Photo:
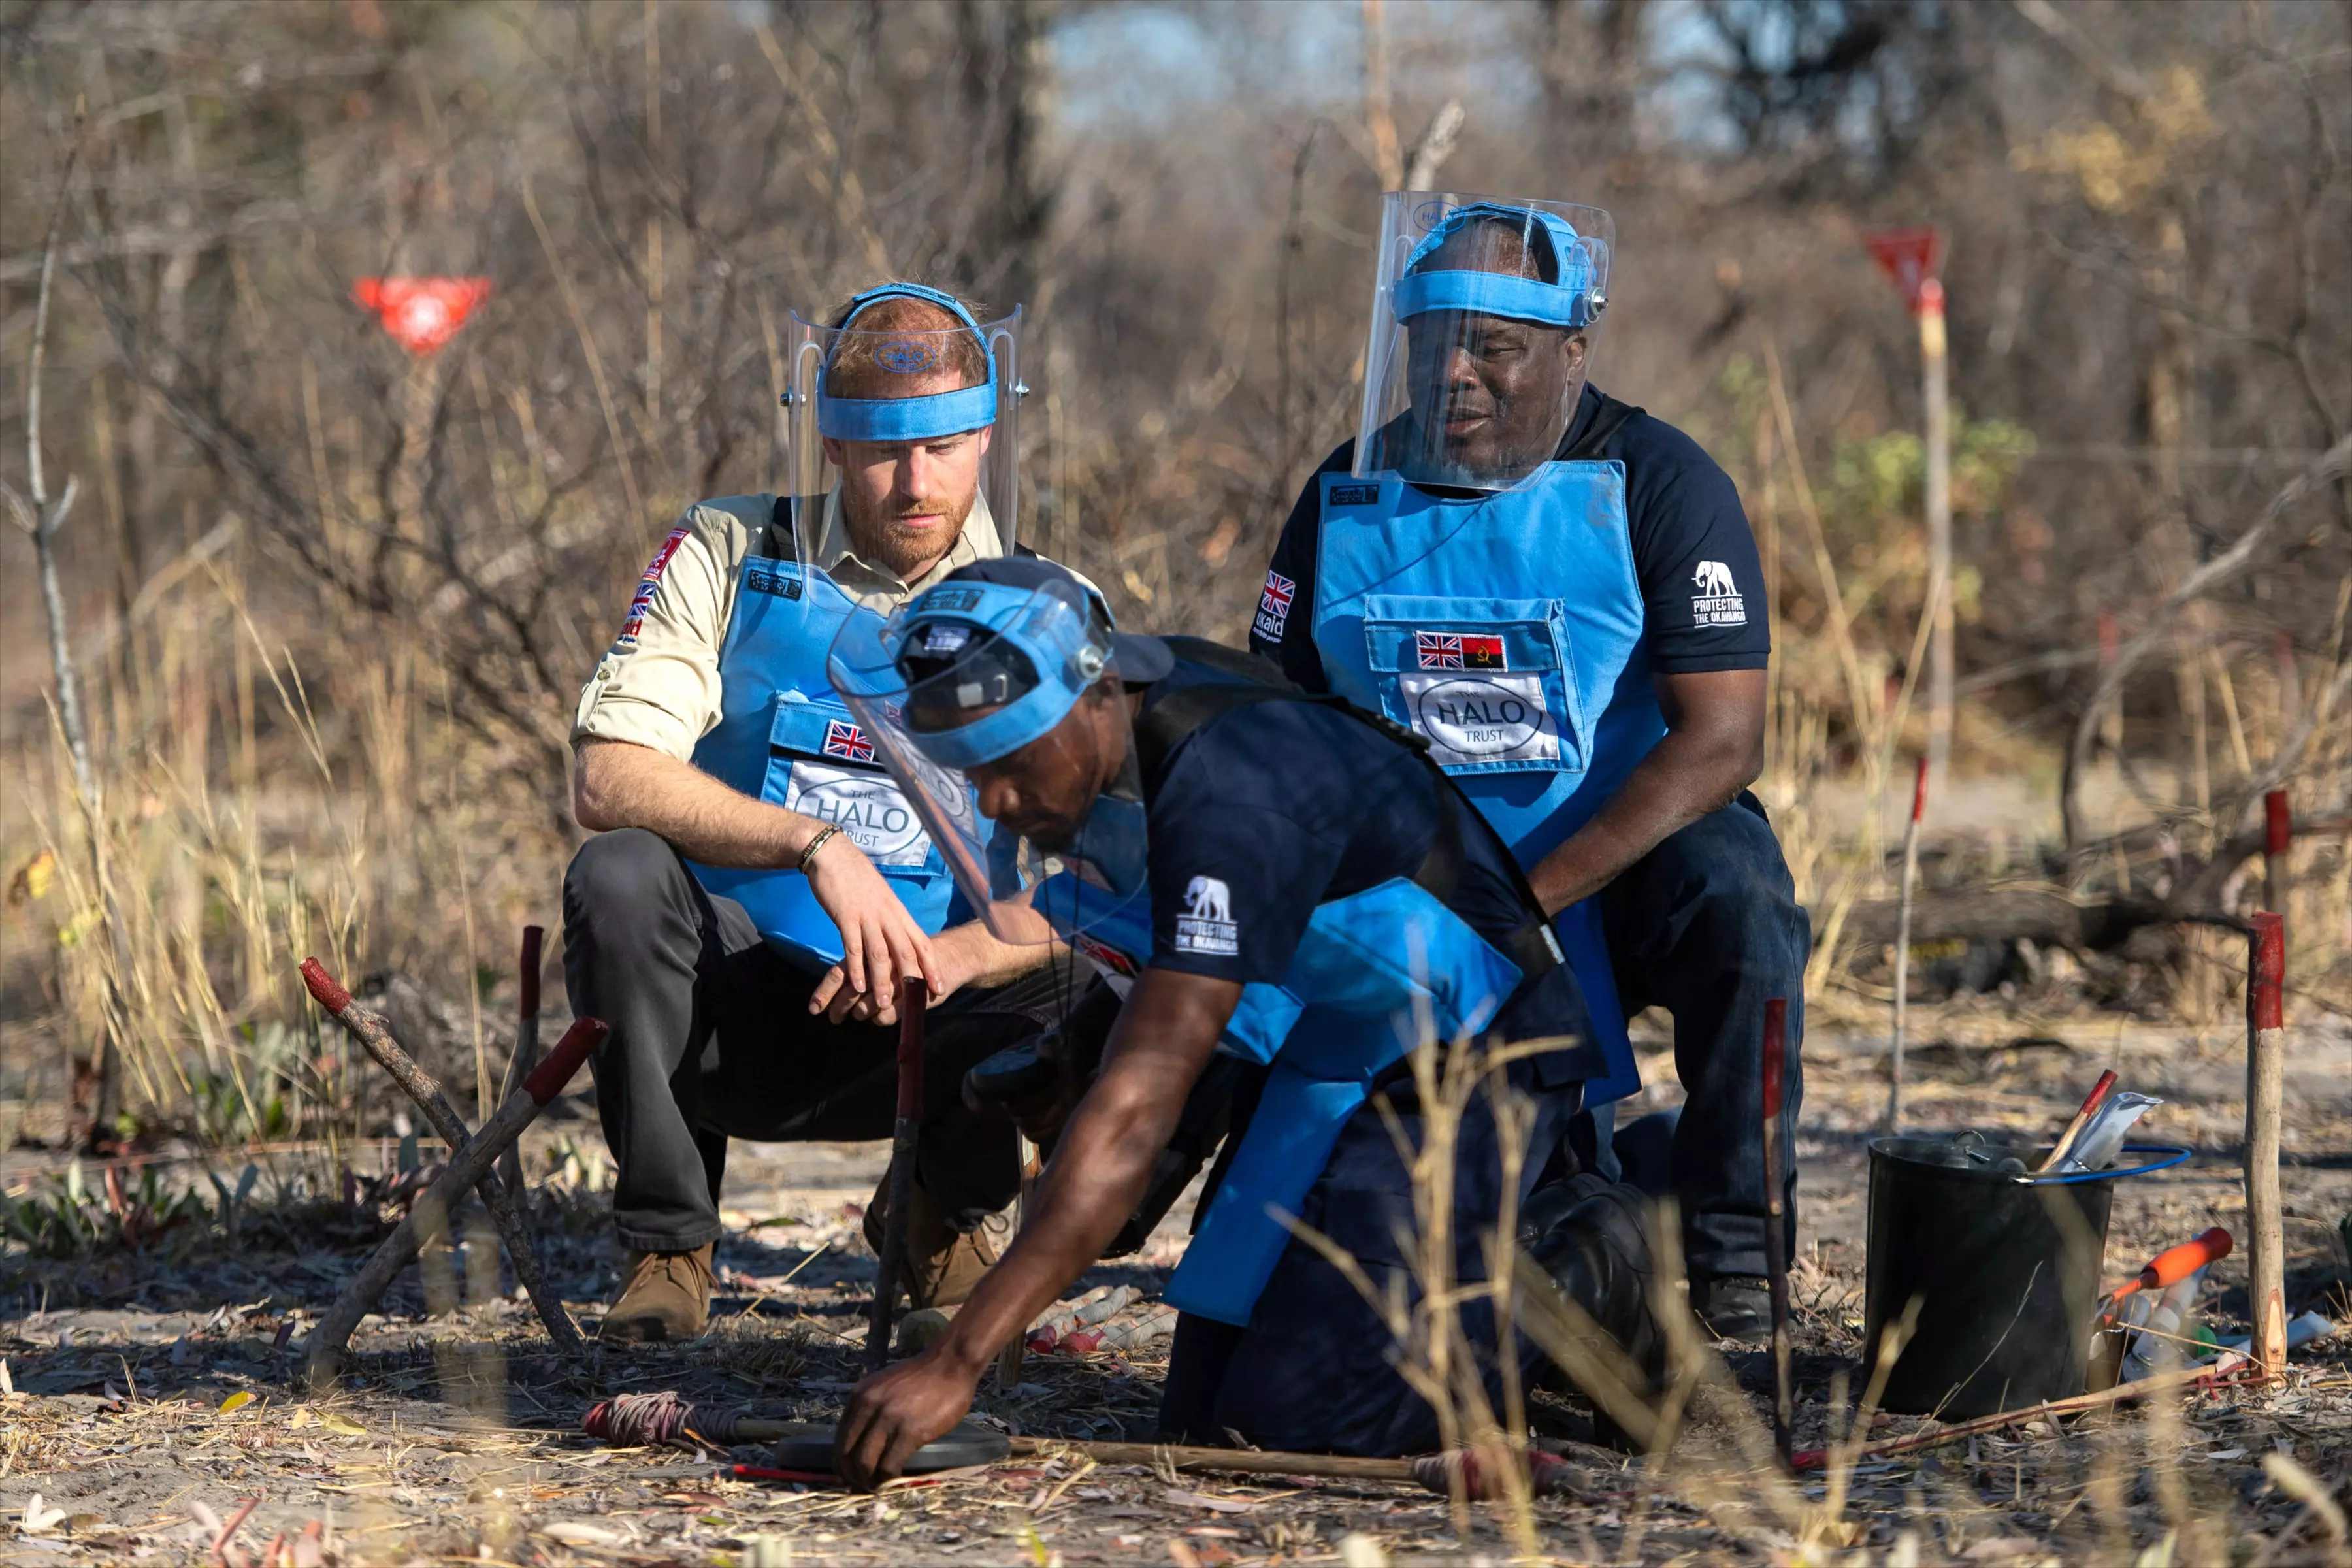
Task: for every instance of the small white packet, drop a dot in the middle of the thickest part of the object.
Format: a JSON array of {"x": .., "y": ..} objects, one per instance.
[{"x": 2103, "y": 1136}]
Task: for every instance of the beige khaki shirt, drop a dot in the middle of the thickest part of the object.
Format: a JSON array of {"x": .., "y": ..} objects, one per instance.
[{"x": 658, "y": 685}]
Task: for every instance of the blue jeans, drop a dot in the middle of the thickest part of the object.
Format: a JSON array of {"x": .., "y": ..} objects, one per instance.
[{"x": 1707, "y": 926}]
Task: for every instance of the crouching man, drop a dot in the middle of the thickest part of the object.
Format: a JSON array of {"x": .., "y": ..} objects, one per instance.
[
  {"x": 1288, "y": 881},
  {"x": 747, "y": 841}
]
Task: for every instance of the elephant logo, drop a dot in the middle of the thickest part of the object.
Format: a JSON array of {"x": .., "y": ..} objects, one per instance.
[
  {"x": 1714, "y": 580},
  {"x": 1207, "y": 923},
  {"x": 1208, "y": 900}
]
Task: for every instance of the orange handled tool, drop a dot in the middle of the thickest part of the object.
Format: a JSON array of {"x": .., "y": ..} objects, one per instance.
[{"x": 2173, "y": 1265}]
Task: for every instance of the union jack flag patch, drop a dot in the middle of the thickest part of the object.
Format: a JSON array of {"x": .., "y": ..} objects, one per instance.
[
  {"x": 847, "y": 742},
  {"x": 1275, "y": 600},
  {"x": 1452, "y": 650},
  {"x": 1274, "y": 607}
]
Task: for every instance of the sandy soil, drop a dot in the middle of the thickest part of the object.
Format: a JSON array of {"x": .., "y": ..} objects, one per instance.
[{"x": 457, "y": 1436}]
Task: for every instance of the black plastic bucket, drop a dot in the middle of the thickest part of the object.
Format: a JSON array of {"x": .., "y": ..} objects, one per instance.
[{"x": 2006, "y": 1270}]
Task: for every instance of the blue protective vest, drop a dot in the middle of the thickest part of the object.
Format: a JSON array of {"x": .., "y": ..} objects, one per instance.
[
  {"x": 1375, "y": 973},
  {"x": 1433, "y": 610},
  {"x": 785, "y": 736}
]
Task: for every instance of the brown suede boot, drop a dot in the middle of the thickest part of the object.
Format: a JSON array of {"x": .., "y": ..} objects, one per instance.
[
  {"x": 665, "y": 1297},
  {"x": 942, "y": 1264}
]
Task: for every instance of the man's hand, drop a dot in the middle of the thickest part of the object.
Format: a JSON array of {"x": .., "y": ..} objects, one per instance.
[
  {"x": 1163, "y": 1039},
  {"x": 617, "y": 784},
  {"x": 1713, "y": 749},
  {"x": 968, "y": 954},
  {"x": 896, "y": 1411},
  {"x": 881, "y": 942}
]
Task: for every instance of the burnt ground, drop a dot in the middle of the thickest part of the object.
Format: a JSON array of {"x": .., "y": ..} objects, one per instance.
[{"x": 156, "y": 1385}]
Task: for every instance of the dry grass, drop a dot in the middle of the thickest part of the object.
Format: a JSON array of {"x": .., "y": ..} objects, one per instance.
[{"x": 348, "y": 819}]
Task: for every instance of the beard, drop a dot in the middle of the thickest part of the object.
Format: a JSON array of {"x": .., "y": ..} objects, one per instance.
[{"x": 883, "y": 535}]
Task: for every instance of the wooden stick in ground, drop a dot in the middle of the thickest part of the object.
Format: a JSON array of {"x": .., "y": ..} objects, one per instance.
[
  {"x": 526, "y": 1051},
  {"x": 913, "y": 997},
  {"x": 2195, "y": 1377},
  {"x": 672, "y": 1416},
  {"x": 1238, "y": 1461},
  {"x": 1008, "y": 1360},
  {"x": 2090, "y": 1103},
  {"x": 2278, "y": 840},
  {"x": 421, "y": 1088},
  {"x": 1776, "y": 1219},
  {"x": 2265, "y": 1096},
  {"x": 468, "y": 1164},
  {"x": 1902, "y": 945}
]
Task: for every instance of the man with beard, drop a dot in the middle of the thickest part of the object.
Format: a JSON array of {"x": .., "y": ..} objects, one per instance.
[
  {"x": 1558, "y": 592},
  {"x": 747, "y": 842}
]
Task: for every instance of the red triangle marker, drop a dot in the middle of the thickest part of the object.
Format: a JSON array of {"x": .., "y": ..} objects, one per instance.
[
  {"x": 422, "y": 314},
  {"x": 1910, "y": 257}
]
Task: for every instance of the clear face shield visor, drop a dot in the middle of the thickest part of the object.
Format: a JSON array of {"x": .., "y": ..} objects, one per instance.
[
  {"x": 978, "y": 698},
  {"x": 1485, "y": 312},
  {"x": 939, "y": 404}
]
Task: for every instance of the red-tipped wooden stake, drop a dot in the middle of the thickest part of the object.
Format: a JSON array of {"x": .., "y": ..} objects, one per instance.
[
  {"x": 526, "y": 1051},
  {"x": 2278, "y": 838},
  {"x": 2265, "y": 1094},
  {"x": 468, "y": 1163},
  {"x": 1903, "y": 945},
  {"x": 503, "y": 1202},
  {"x": 1776, "y": 1218},
  {"x": 913, "y": 997}
]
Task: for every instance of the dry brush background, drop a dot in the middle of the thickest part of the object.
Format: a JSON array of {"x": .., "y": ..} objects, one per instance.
[
  {"x": 327, "y": 609},
  {"x": 329, "y": 606}
]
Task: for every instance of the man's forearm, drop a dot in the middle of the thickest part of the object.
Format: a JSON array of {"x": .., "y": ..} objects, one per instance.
[
  {"x": 1683, "y": 778},
  {"x": 975, "y": 956},
  {"x": 618, "y": 784},
  {"x": 1103, "y": 1163}
]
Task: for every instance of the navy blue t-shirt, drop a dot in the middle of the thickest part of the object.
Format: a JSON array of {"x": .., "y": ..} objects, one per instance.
[
  {"x": 1691, "y": 541},
  {"x": 1267, "y": 810}
]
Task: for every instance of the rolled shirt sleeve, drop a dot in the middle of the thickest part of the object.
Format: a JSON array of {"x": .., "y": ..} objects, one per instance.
[{"x": 658, "y": 684}]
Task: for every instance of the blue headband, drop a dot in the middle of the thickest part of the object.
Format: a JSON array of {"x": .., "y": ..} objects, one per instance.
[
  {"x": 1567, "y": 303},
  {"x": 923, "y": 418},
  {"x": 1053, "y": 632}
]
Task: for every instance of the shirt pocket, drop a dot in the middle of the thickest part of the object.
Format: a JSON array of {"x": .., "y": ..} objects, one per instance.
[
  {"x": 821, "y": 764},
  {"x": 1489, "y": 683}
]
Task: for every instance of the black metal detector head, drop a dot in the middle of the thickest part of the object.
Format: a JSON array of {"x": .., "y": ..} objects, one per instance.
[{"x": 970, "y": 1443}]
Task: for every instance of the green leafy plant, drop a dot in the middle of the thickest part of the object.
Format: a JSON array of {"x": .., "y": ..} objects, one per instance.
[{"x": 66, "y": 1219}]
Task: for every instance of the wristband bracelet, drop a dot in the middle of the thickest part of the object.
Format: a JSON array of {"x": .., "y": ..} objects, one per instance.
[{"x": 815, "y": 845}]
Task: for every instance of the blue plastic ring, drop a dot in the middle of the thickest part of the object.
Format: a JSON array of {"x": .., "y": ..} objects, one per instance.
[{"x": 2175, "y": 1156}]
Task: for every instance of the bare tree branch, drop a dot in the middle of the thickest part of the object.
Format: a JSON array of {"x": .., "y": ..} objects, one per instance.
[{"x": 2223, "y": 569}]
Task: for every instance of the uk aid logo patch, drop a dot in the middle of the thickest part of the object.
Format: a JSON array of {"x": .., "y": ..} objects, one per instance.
[
  {"x": 1274, "y": 607},
  {"x": 1453, "y": 650},
  {"x": 1719, "y": 602},
  {"x": 847, "y": 742},
  {"x": 1207, "y": 923}
]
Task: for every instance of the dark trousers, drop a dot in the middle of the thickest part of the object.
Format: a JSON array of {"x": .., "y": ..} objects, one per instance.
[
  {"x": 712, "y": 1039},
  {"x": 1316, "y": 1369},
  {"x": 1706, "y": 925}
]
